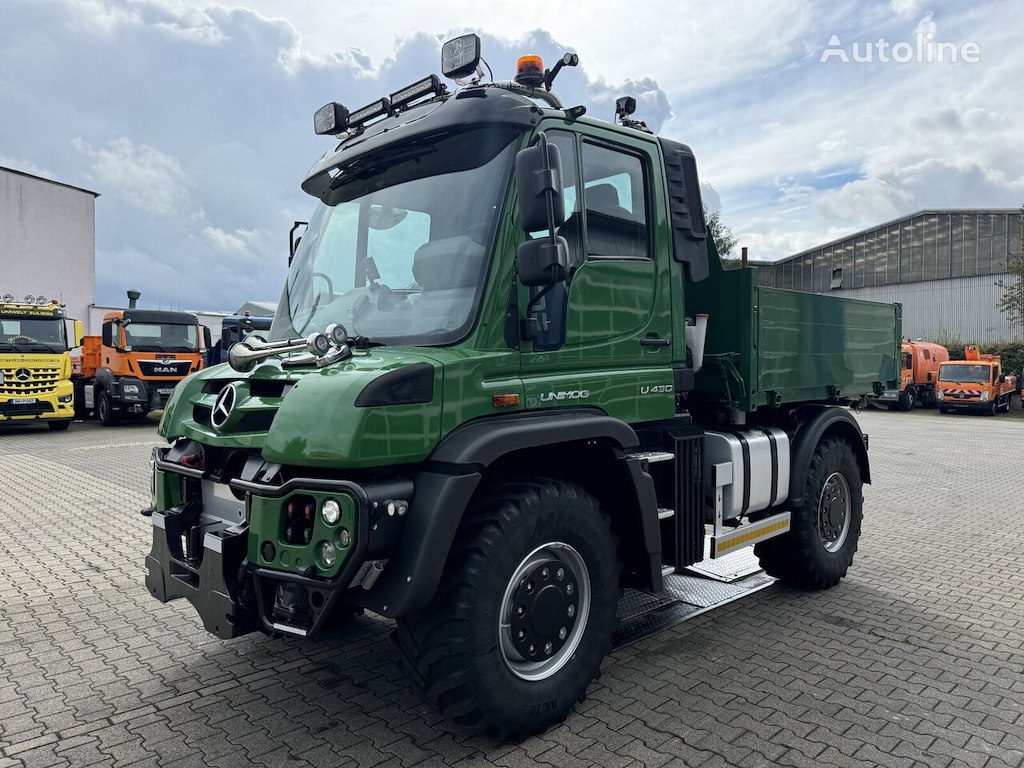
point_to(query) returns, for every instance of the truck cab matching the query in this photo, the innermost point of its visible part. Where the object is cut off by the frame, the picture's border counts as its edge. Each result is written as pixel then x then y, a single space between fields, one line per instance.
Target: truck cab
pixel 975 384
pixel 132 367
pixel 233 329
pixel 35 363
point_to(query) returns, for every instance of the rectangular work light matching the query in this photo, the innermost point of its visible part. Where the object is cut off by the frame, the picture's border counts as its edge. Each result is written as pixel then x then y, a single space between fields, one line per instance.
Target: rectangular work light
pixel 330 120
pixel 370 111
pixel 430 85
pixel 460 56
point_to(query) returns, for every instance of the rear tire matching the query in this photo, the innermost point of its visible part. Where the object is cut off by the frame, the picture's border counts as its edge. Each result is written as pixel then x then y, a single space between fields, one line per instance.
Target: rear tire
pixel 534 568
pixel 824 531
pixel 105 411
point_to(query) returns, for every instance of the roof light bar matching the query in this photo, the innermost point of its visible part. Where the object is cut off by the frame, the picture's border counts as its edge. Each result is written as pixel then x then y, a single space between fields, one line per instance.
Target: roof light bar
pixel 429 85
pixel 370 111
pixel 330 120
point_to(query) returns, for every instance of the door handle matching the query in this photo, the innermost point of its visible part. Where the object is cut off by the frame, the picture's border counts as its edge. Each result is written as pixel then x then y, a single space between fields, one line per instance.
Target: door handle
pixel 655 341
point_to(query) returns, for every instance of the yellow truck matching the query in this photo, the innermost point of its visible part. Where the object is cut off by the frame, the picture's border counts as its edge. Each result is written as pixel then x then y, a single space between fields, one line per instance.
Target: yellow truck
pixel 35 362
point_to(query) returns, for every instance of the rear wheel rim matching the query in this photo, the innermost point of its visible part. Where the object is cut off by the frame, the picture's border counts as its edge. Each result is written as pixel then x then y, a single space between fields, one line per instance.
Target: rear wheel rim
pixel 834 503
pixel 544 611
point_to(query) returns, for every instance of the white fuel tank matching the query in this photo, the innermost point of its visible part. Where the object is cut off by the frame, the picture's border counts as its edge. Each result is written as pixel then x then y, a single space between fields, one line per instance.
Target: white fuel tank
pixel 760 468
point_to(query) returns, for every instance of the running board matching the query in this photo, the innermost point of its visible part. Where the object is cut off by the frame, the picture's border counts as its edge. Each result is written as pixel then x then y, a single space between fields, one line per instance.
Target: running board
pixel 744 536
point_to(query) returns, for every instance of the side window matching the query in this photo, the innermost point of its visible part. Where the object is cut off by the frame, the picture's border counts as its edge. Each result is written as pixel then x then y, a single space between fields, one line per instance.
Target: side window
pixel 614 194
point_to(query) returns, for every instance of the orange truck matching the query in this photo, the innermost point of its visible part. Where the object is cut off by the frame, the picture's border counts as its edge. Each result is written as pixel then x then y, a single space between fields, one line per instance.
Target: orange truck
pixel 133 366
pixel 975 384
pixel 920 369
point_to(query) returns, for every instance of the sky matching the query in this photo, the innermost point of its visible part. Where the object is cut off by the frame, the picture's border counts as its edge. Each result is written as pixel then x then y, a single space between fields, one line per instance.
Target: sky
pixel 193 118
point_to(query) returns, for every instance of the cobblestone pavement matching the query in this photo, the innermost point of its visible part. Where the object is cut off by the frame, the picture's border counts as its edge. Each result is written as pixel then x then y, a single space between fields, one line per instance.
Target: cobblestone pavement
pixel 917 658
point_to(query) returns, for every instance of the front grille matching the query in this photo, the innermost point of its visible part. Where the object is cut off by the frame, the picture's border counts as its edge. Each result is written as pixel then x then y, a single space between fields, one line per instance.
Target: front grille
pixel 179 368
pixel 25 409
pixel 253 421
pixel 41 381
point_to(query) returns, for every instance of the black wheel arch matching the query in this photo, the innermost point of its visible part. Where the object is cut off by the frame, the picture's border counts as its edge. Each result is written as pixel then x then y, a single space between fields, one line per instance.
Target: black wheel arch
pixel 818 423
pixel 583 446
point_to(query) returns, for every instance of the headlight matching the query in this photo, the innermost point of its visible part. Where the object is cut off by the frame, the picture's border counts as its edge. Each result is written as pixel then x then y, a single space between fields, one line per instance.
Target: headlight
pixel 328 554
pixel 65 398
pixel 130 389
pixel 940 395
pixel 331 511
pixel 984 395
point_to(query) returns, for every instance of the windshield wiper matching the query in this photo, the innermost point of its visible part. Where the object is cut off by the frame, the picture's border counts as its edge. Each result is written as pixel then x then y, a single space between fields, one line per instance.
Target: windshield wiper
pixel 15 347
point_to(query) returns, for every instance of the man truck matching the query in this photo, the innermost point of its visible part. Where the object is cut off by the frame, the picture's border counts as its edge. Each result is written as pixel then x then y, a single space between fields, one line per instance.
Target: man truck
pixel 134 365
pixel 976 383
pixel 35 362
pixel 507 378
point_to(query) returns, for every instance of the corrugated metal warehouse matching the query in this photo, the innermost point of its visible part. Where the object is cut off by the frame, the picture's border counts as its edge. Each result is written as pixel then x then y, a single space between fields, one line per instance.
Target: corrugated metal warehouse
pixel 47 240
pixel 941 265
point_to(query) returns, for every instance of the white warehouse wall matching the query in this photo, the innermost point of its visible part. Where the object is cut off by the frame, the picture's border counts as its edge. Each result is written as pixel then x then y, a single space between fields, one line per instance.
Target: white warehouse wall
pixel 47 241
pixel 963 307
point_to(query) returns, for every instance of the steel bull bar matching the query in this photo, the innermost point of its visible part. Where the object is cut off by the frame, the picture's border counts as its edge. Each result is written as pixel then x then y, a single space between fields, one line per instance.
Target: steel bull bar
pixel 233 596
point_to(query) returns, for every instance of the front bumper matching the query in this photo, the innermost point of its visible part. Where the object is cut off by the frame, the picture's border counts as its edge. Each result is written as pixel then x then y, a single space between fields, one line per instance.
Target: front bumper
pixel 58 403
pixel 218 565
pixel 139 396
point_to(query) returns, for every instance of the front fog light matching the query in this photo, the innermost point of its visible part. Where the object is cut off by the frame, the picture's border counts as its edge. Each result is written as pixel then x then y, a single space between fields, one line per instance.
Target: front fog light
pixel 328 554
pixel 331 511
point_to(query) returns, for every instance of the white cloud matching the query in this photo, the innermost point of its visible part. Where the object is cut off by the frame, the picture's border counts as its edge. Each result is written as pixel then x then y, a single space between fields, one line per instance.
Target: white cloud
pixel 904 8
pixel 143 177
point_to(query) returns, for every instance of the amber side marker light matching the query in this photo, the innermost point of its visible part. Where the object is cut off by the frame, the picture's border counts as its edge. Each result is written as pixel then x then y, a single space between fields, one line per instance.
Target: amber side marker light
pixel 508 400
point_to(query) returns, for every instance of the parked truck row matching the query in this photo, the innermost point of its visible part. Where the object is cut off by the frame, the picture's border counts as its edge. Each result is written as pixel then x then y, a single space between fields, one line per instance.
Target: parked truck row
pixel 507 378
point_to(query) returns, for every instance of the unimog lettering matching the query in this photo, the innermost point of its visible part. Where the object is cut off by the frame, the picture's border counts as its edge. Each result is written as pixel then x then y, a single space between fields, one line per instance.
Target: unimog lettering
pixel 405 465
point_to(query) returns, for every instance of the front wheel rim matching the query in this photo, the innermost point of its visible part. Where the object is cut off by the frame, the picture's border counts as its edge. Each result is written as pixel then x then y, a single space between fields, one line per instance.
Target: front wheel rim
pixel 834 504
pixel 544 611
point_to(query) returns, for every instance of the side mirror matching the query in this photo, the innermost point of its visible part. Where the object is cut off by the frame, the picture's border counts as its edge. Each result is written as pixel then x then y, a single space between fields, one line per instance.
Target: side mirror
pixel 539 187
pixel 79 333
pixel 540 262
pixel 1002 378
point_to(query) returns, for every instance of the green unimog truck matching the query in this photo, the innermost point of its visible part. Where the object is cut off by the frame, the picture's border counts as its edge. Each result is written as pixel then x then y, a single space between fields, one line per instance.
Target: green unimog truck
pixel 508 378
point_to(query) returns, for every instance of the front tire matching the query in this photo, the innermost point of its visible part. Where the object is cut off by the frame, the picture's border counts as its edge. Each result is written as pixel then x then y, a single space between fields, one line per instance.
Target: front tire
pixel 105 411
pixel 824 531
pixel 910 399
pixel 524 613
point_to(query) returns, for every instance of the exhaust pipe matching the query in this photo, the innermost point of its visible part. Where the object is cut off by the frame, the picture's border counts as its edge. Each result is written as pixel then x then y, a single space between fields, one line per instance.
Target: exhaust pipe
pixel 695 335
pixel 133 298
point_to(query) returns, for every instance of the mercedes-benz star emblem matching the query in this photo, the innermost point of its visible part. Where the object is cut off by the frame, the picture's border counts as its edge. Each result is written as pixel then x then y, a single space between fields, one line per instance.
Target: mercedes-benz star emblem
pixel 223 406
pixel 23 374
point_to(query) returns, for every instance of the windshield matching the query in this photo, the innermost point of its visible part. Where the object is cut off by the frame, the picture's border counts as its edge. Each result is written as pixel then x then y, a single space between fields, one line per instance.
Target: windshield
pixel 161 337
pixel 32 334
pixel 400 254
pixel 965 374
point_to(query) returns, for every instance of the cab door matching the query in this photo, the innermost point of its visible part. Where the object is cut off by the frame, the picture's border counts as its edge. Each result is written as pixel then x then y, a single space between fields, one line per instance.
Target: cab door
pixel 603 338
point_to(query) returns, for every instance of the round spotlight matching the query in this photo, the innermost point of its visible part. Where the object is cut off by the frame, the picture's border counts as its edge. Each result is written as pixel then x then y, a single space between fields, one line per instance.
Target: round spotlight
pixel 318 344
pixel 328 554
pixel 337 333
pixel 345 538
pixel 40 299
pixel 331 511
pixel 268 552
pixel 29 299
pixel 8 298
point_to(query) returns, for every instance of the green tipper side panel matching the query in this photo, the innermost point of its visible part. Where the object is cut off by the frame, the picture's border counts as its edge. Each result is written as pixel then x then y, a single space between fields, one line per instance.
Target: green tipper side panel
pixel 768 346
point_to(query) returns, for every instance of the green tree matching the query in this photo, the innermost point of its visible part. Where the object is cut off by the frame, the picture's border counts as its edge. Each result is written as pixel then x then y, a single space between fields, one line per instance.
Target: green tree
pixel 1012 301
pixel 724 239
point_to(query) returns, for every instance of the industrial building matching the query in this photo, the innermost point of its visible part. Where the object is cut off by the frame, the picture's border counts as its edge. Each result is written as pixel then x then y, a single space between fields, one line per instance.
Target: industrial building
pixel 47 240
pixel 941 265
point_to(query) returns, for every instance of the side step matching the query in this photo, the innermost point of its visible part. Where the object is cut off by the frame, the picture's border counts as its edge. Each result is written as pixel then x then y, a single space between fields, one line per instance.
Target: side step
pixel 745 535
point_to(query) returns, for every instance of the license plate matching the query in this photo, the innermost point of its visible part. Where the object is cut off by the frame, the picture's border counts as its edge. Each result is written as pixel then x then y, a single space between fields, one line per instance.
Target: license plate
pixel 165 391
pixel 24 400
